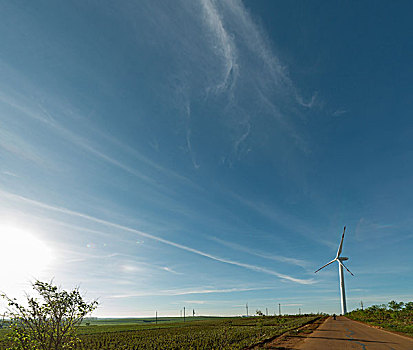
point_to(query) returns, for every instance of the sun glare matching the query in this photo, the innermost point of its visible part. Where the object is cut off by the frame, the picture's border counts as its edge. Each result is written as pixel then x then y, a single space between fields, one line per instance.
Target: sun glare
pixel 23 255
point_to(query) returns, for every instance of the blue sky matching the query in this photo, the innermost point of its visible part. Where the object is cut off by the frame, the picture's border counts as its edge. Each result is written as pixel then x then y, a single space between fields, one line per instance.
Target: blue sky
pixel 207 153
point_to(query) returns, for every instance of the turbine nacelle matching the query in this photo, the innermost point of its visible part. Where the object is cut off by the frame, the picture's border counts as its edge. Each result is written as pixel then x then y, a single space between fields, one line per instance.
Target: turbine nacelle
pixel 338 258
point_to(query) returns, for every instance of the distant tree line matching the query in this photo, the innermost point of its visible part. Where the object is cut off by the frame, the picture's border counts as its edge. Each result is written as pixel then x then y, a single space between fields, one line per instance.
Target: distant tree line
pixel 395 316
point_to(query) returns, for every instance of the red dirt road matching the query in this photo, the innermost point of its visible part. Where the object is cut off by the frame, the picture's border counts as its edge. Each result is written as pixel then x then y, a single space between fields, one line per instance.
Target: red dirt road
pixel 344 333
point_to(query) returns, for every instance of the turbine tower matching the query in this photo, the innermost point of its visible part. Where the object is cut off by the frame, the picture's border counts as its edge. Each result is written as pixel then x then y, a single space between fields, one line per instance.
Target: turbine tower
pixel 340 260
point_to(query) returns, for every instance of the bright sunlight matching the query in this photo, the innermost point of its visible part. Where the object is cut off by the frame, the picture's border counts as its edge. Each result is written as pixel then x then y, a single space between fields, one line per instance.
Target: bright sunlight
pixel 23 254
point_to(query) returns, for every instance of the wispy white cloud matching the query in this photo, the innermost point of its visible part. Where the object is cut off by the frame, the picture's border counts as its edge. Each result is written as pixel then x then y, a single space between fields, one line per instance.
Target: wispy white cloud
pixel 168 269
pixel 188 137
pixel 73 256
pixel 13 143
pixel 9 173
pixel 153 237
pixel 282 218
pixel 199 302
pixel 31 105
pixel 234 69
pixel 171 174
pixel 280 258
pixel 307 104
pixel 41 114
pixel 256 40
pixel 366 229
pixel 222 43
pixel 187 292
pixel 242 138
pixel 87 146
pixel 339 112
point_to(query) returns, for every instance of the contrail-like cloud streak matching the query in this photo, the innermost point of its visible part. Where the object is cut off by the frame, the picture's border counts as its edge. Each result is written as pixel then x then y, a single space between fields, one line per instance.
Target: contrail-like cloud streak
pixel 153 237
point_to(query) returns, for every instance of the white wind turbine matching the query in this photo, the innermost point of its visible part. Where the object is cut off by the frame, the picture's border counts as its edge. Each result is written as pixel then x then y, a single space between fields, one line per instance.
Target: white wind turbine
pixel 340 260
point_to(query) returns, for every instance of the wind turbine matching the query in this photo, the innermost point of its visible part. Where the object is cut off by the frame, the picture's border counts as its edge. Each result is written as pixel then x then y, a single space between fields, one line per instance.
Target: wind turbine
pixel 340 260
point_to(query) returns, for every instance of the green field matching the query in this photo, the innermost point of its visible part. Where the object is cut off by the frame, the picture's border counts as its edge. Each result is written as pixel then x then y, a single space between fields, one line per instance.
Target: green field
pixel 145 321
pixel 173 333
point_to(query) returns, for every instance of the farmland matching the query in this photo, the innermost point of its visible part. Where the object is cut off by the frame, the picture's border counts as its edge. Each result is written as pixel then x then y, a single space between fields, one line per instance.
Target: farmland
pixel 170 333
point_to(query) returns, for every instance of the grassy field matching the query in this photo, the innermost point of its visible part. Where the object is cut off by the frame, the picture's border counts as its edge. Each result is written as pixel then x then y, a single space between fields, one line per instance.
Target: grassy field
pixel 173 333
pixel 144 321
pixel 103 325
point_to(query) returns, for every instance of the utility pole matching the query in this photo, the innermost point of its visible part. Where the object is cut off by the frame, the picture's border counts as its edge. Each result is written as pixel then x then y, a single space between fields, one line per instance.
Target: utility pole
pixel 193 312
pixel 299 311
pixel 279 309
pixel 246 306
pixel 361 303
pixel 156 317
pixel 184 313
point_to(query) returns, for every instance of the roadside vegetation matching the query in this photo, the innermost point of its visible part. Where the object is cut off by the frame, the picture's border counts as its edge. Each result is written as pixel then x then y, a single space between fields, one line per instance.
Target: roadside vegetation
pixel 393 316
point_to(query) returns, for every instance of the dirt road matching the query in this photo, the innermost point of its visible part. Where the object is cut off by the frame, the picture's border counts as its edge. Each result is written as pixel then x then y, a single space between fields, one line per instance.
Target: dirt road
pixel 347 334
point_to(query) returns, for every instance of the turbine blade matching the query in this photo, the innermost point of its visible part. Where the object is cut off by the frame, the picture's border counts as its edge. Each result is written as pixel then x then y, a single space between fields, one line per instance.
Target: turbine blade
pixel 346 268
pixel 340 247
pixel 322 267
